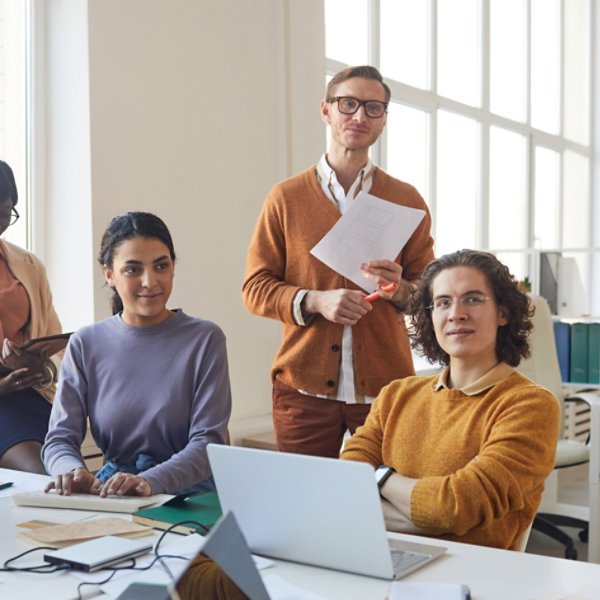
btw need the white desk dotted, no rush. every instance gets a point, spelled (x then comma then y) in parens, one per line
(492, 574)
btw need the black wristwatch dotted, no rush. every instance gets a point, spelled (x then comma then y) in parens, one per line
(381, 474)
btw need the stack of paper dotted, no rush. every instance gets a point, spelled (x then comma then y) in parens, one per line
(59, 536)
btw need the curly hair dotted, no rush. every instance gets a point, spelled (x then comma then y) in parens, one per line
(125, 227)
(512, 340)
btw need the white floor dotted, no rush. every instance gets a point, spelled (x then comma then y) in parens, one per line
(573, 490)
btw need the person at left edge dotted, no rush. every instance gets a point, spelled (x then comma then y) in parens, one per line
(26, 311)
(154, 382)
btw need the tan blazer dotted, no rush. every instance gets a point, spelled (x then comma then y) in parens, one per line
(30, 271)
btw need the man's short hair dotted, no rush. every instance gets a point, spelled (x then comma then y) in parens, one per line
(364, 71)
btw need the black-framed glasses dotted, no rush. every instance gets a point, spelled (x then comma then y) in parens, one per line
(348, 105)
(12, 216)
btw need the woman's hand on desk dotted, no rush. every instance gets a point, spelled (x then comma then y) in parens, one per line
(79, 481)
(125, 484)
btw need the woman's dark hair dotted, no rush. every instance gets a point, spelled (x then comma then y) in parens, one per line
(511, 341)
(126, 227)
(8, 187)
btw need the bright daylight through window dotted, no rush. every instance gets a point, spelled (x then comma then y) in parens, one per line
(489, 119)
(13, 107)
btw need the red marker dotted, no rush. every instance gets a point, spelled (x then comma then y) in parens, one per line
(390, 287)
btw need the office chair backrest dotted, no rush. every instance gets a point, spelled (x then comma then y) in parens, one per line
(522, 541)
(542, 365)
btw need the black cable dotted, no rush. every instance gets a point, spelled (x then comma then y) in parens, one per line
(45, 568)
(48, 568)
(162, 537)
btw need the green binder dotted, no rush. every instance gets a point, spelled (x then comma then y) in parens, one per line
(202, 508)
(579, 352)
(594, 353)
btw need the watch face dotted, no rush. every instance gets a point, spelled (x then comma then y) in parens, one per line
(382, 473)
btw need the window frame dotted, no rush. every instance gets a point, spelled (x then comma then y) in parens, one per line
(430, 102)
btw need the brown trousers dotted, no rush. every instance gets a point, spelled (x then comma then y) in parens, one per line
(308, 425)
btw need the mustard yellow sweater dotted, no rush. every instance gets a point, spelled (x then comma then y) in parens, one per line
(481, 460)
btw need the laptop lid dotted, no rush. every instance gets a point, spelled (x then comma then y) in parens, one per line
(226, 547)
(319, 511)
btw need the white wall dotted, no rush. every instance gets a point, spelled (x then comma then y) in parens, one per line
(190, 109)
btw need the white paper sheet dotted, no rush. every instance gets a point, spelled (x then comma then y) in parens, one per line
(370, 229)
(281, 589)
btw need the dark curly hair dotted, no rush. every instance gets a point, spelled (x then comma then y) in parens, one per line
(511, 342)
(127, 226)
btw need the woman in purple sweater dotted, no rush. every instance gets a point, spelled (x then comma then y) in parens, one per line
(153, 382)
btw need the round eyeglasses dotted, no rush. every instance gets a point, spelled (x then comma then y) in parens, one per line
(469, 302)
(348, 106)
(12, 216)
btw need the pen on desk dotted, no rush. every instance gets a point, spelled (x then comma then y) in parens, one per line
(5, 485)
(390, 287)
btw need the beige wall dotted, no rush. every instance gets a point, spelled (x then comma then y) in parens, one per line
(191, 109)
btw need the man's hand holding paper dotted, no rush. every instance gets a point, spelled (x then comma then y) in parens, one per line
(366, 241)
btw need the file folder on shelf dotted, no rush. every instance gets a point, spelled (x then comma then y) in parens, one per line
(579, 352)
(562, 338)
(594, 353)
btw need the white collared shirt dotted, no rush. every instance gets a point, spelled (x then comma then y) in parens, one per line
(335, 192)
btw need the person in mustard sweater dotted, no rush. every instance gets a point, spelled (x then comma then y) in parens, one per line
(338, 350)
(464, 455)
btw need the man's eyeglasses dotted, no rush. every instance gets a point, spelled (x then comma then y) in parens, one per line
(348, 106)
(471, 302)
(12, 216)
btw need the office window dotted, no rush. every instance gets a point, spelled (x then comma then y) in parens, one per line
(408, 145)
(546, 233)
(405, 41)
(13, 107)
(507, 221)
(459, 50)
(508, 58)
(577, 67)
(347, 36)
(545, 64)
(457, 184)
(490, 119)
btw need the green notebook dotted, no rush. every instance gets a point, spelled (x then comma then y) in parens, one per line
(203, 508)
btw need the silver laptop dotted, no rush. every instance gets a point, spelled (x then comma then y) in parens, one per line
(317, 511)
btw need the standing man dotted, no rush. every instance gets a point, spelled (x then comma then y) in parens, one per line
(338, 350)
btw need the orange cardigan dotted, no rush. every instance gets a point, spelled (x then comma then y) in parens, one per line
(295, 216)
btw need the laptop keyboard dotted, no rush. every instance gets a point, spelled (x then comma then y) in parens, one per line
(404, 559)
